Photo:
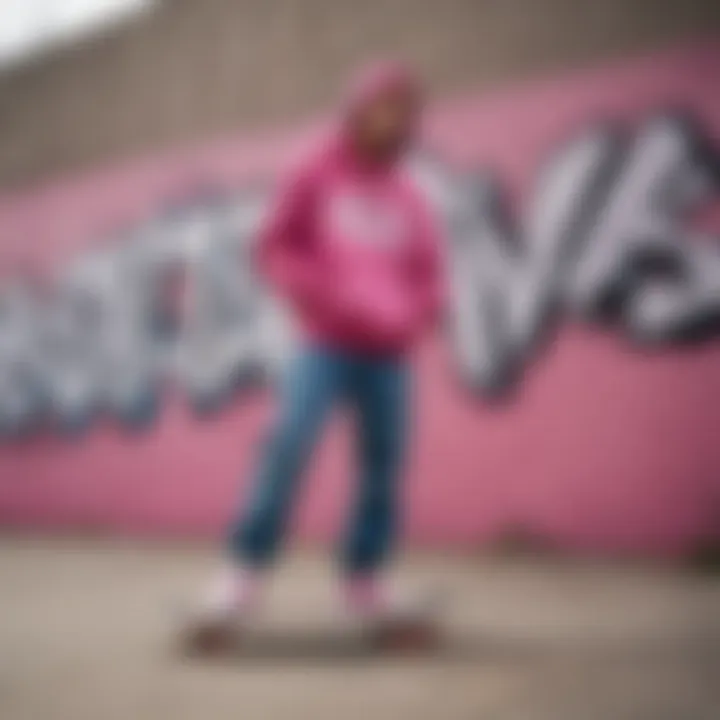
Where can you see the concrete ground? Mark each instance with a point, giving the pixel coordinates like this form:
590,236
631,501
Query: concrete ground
86,630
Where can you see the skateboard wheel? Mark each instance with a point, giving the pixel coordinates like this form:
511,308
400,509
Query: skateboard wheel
408,638
209,639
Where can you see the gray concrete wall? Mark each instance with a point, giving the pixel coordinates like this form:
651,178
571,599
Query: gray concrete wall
198,68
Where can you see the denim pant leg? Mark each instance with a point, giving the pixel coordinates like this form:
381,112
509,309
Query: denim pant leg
307,392
379,390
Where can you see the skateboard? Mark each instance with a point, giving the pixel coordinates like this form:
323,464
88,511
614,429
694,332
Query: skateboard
411,631
226,637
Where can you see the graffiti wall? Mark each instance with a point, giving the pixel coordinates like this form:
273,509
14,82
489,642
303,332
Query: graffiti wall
571,393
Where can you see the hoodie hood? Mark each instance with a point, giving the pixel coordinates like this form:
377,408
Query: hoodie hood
372,83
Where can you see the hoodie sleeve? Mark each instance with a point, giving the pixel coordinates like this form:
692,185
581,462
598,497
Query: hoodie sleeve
285,254
429,274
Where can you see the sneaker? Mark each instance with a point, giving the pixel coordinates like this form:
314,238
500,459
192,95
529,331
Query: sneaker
216,626
393,622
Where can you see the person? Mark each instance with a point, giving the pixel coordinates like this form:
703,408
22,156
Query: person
352,246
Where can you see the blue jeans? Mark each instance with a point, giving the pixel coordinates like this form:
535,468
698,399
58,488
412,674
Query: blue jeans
376,389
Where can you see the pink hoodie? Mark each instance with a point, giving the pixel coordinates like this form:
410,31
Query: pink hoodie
351,243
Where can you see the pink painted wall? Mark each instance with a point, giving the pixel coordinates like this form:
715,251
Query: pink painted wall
603,449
